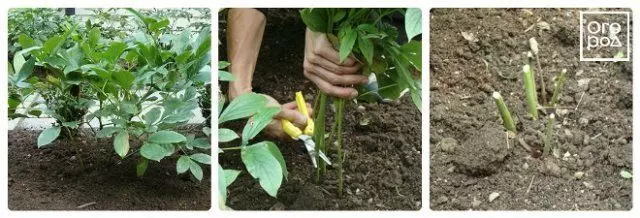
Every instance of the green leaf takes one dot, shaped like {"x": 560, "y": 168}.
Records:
{"x": 196, "y": 170}
{"x": 366, "y": 47}
{"x": 223, "y": 64}
{"x": 123, "y": 78}
{"x": 413, "y": 22}
{"x": 152, "y": 151}
{"x": 412, "y": 51}
{"x": 94, "y": 36}
{"x": 183, "y": 164}
{"x": 121, "y": 143}
{"x": 152, "y": 116}
{"x": 416, "y": 95}
{"x": 24, "y": 72}
{"x": 222, "y": 185}
{"x": 47, "y": 136}
{"x": 230, "y": 176}
{"x": 315, "y": 19}
{"x": 258, "y": 122}
{"x": 107, "y": 131}
{"x": 242, "y": 106}
{"x": 26, "y": 41}
{"x": 347, "y": 41}
{"x": 203, "y": 143}
{"x": 52, "y": 44}
{"x": 201, "y": 158}
{"x": 226, "y": 135}
{"x": 339, "y": 14}
{"x": 626, "y": 174}
{"x": 36, "y": 113}
{"x": 206, "y": 131}
{"x": 225, "y": 76}
{"x": 141, "y": 168}
{"x": 276, "y": 153}
{"x": 166, "y": 137}
{"x": 262, "y": 165}
{"x": 72, "y": 124}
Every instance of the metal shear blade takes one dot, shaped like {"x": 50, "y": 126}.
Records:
{"x": 310, "y": 145}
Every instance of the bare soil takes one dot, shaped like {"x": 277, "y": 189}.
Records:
{"x": 471, "y": 156}
{"x": 86, "y": 174}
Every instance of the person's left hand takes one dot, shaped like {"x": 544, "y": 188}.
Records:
{"x": 288, "y": 111}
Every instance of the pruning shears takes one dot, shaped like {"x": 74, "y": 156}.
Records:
{"x": 304, "y": 135}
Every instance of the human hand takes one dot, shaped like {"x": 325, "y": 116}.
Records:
{"x": 322, "y": 66}
{"x": 288, "y": 111}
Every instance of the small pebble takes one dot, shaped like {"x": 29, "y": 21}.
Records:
{"x": 525, "y": 166}
{"x": 475, "y": 203}
{"x": 72, "y": 158}
{"x": 448, "y": 145}
{"x": 578, "y": 175}
{"x": 493, "y": 196}
{"x": 361, "y": 108}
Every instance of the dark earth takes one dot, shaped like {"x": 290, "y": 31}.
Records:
{"x": 383, "y": 158}
{"x": 86, "y": 174}
{"x": 475, "y": 165}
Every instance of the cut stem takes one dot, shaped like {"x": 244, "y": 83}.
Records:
{"x": 549, "y": 133}
{"x": 530, "y": 91}
{"x": 559, "y": 82}
{"x": 318, "y": 134}
{"x": 339, "y": 114}
{"x": 507, "y": 120}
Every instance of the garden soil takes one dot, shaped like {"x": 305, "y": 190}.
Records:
{"x": 86, "y": 174}
{"x": 383, "y": 158}
{"x": 475, "y": 164}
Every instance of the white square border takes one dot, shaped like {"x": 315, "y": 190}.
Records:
{"x": 628, "y": 56}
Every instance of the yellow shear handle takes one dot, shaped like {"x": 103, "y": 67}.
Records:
{"x": 290, "y": 129}
{"x": 302, "y": 107}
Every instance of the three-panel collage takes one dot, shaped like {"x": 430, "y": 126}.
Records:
{"x": 117, "y": 109}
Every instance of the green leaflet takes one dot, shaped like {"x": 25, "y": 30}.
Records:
{"x": 226, "y": 135}
{"x": 153, "y": 151}
{"x": 121, "y": 143}
{"x": 166, "y": 137}
{"x": 264, "y": 166}
{"x": 413, "y": 22}
{"x": 47, "y": 136}
{"x": 243, "y": 106}
{"x": 257, "y": 123}
{"x": 347, "y": 41}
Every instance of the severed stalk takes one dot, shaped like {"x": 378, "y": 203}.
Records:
{"x": 559, "y": 82}
{"x": 507, "y": 120}
{"x": 549, "y": 134}
{"x": 530, "y": 91}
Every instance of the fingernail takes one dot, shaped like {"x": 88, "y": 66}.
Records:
{"x": 354, "y": 94}
{"x": 365, "y": 80}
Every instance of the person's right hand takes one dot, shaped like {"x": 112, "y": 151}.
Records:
{"x": 322, "y": 66}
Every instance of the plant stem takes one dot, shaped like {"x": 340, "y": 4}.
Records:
{"x": 530, "y": 91}
{"x": 542, "y": 83}
{"x": 557, "y": 88}
{"x": 549, "y": 134}
{"x": 231, "y": 148}
{"x": 318, "y": 134}
{"x": 339, "y": 114}
{"x": 507, "y": 120}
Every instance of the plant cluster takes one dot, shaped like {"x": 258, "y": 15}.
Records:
{"x": 368, "y": 36}
{"x": 144, "y": 86}
{"x": 531, "y": 94}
